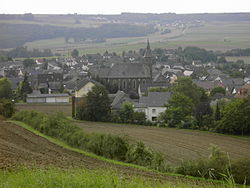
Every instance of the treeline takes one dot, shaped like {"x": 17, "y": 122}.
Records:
{"x": 23, "y": 52}
{"x": 13, "y": 35}
{"x": 189, "y": 107}
{"x": 238, "y": 52}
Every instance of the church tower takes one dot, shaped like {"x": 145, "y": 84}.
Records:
{"x": 148, "y": 58}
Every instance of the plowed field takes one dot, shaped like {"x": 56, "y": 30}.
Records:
{"x": 176, "y": 144}
{"x": 19, "y": 146}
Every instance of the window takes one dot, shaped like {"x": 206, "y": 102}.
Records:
{"x": 153, "y": 111}
{"x": 124, "y": 84}
{"x": 154, "y": 118}
{"x": 143, "y": 82}
{"x": 134, "y": 84}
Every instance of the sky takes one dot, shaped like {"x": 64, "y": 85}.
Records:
{"x": 118, "y": 6}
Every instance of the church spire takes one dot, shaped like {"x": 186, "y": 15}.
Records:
{"x": 148, "y": 58}
{"x": 148, "y": 53}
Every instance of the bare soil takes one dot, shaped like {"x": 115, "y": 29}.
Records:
{"x": 176, "y": 144}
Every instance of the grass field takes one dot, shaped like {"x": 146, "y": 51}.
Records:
{"x": 176, "y": 144}
{"x": 212, "y": 36}
{"x": 85, "y": 178}
{"x": 246, "y": 59}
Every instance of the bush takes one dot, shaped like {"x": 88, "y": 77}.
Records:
{"x": 110, "y": 146}
{"x": 240, "y": 170}
{"x": 139, "y": 154}
{"x": 6, "y": 108}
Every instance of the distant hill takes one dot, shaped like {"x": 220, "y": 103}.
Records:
{"x": 17, "y": 29}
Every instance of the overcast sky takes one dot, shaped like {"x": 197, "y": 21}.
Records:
{"x": 118, "y": 6}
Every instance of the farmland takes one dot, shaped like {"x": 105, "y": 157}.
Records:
{"x": 246, "y": 59}
{"x": 46, "y": 108}
{"x": 176, "y": 144}
{"x": 212, "y": 36}
{"x": 21, "y": 145}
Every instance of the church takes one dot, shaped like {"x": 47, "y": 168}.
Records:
{"x": 129, "y": 77}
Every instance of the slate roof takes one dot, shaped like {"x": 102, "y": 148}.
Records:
{"x": 208, "y": 85}
{"x": 15, "y": 82}
{"x": 126, "y": 70}
{"x": 55, "y": 85}
{"x": 155, "y": 99}
{"x": 81, "y": 83}
{"x": 76, "y": 83}
{"x": 120, "y": 97}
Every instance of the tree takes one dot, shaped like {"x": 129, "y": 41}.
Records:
{"x": 5, "y": 88}
{"x": 75, "y": 53}
{"x": 127, "y": 112}
{"x": 203, "y": 112}
{"x": 217, "y": 115}
{"x": 235, "y": 117}
{"x": 6, "y": 108}
{"x": 222, "y": 60}
{"x": 24, "y": 88}
{"x": 218, "y": 90}
{"x": 179, "y": 109}
{"x": 28, "y": 63}
{"x": 186, "y": 86}
{"x": 97, "y": 105}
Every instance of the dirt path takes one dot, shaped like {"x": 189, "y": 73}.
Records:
{"x": 176, "y": 144}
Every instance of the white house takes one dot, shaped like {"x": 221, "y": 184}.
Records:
{"x": 153, "y": 104}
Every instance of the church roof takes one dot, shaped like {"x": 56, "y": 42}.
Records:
{"x": 127, "y": 70}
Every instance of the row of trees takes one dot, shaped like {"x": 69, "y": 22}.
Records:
{"x": 23, "y": 52}
{"x": 189, "y": 107}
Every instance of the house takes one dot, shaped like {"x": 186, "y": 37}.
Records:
{"x": 243, "y": 91}
{"x": 119, "y": 98}
{"x": 232, "y": 84}
{"x": 37, "y": 97}
{"x": 84, "y": 86}
{"x": 153, "y": 104}
{"x": 206, "y": 85}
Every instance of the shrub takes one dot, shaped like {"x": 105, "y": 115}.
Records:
{"x": 240, "y": 170}
{"x": 6, "y": 108}
{"x": 109, "y": 146}
{"x": 139, "y": 154}
{"x": 213, "y": 167}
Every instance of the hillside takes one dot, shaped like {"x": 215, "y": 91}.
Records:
{"x": 176, "y": 144}
{"x": 126, "y": 31}
{"x": 20, "y": 147}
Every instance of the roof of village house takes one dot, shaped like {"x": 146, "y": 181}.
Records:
{"x": 208, "y": 85}
{"x": 55, "y": 85}
{"x": 81, "y": 83}
{"x": 120, "y": 97}
{"x": 126, "y": 70}
{"x": 155, "y": 99}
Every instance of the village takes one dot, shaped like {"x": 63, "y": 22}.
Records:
{"x": 142, "y": 78}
